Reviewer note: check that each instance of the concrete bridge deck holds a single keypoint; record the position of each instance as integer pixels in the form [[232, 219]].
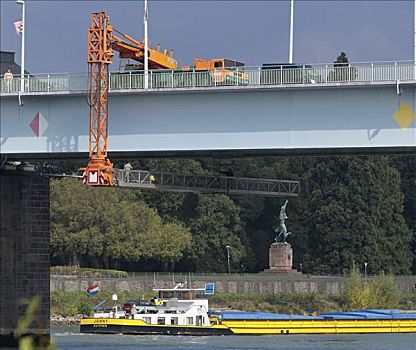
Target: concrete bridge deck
[[352, 109]]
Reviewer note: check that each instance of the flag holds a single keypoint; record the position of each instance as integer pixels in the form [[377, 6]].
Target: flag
[[92, 290], [18, 25]]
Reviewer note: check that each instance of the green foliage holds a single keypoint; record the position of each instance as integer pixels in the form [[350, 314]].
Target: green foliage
[[76, 303], [27, 321], [351, 210], [355, 215], [292, 303], [406, 165], [215, 223], [87, 272], [84, 309], [383, 292], [356, 293], [104, 224], [379, 293]]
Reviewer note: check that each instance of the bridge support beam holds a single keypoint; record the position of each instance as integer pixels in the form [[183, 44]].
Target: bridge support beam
[[24, 253]]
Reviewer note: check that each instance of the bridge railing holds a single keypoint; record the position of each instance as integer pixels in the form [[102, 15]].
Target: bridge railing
[[241, 77]]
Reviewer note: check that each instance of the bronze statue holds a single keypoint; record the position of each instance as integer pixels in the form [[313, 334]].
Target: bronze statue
[[281, 229]]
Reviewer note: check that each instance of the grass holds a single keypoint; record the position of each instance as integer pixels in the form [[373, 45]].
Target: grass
[[74, 303]]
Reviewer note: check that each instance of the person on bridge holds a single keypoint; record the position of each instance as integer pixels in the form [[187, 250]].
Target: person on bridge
[[127, 168], [8, 78]]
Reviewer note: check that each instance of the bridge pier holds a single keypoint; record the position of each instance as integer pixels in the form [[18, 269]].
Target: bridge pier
[[24, 253]]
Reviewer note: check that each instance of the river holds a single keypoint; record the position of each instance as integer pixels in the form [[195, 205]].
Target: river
[[69, 338]]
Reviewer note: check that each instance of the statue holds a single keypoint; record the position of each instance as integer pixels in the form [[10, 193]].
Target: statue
[[281, 229]]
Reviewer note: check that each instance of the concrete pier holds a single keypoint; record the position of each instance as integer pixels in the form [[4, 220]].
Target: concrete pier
[[24, 253]]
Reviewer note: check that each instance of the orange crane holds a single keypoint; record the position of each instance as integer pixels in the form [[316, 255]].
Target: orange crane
[[101, 43], [102, 40]]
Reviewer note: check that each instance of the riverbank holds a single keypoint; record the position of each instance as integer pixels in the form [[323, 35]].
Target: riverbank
[[68, 307], [58, 320]]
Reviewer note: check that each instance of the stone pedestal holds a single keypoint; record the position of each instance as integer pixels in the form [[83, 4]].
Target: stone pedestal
[[281, 259]]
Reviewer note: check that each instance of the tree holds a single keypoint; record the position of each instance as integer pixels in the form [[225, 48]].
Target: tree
[[103, 225], [215, 223], [355, 211], [406, 166]]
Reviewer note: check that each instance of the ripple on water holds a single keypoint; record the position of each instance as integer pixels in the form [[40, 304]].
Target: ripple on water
[[69, 338]]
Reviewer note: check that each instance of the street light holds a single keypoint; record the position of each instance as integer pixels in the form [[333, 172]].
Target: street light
[[365, 270], [292, 5], [228, 258], [22, 62], [146, 46], [414, 38]]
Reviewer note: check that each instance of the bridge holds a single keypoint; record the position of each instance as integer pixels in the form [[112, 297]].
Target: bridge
[[354, 108], [310, 109]]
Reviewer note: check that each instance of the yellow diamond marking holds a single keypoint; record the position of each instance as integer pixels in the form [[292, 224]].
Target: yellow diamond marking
[[404, 116]]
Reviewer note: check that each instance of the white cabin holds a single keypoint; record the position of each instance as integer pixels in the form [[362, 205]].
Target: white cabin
[[176, 307]]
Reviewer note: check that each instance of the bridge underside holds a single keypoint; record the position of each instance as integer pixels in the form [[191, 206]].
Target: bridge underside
[[348, 120], [114, 156]]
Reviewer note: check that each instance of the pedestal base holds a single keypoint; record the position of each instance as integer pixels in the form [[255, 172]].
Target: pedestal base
[[281, 259]]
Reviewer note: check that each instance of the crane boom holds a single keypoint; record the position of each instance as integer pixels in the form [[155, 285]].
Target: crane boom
[[101, 43], [99, 170]]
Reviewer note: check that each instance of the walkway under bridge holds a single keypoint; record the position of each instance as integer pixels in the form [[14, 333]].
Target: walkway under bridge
[[206, 183]]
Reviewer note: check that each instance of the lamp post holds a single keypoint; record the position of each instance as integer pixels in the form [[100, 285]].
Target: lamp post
[[365, 270], [146, 47], [292, 6], [414, 39], [228, 258], [22, 58]]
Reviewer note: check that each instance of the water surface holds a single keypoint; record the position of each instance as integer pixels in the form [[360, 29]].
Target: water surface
[[69, 338]]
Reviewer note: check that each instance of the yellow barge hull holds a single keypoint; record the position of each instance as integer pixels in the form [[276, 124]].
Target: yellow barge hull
[[250, 327], [320, 326]]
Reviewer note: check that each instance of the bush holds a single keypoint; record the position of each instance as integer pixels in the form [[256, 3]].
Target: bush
[[383, 293], [87, 272], [380, 293], [84, 309], [356, 293]]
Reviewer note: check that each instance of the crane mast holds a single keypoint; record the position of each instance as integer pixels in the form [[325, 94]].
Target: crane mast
[[99, 170]]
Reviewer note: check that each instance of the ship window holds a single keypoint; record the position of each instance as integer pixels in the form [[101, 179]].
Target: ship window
[[160, 320], [199, 320], [189, 320], [147, 320], [174, 321]]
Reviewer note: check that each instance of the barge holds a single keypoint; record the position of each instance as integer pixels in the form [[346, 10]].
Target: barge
[[181, 311]]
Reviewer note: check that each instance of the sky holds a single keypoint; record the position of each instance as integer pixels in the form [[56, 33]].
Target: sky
[[250, 31]]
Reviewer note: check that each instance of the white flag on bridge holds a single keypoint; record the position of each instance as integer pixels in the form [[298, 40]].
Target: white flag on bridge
[[18, 25]]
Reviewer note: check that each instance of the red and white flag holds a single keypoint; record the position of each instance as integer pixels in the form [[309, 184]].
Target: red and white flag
[[18, 25], [92, 290]]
